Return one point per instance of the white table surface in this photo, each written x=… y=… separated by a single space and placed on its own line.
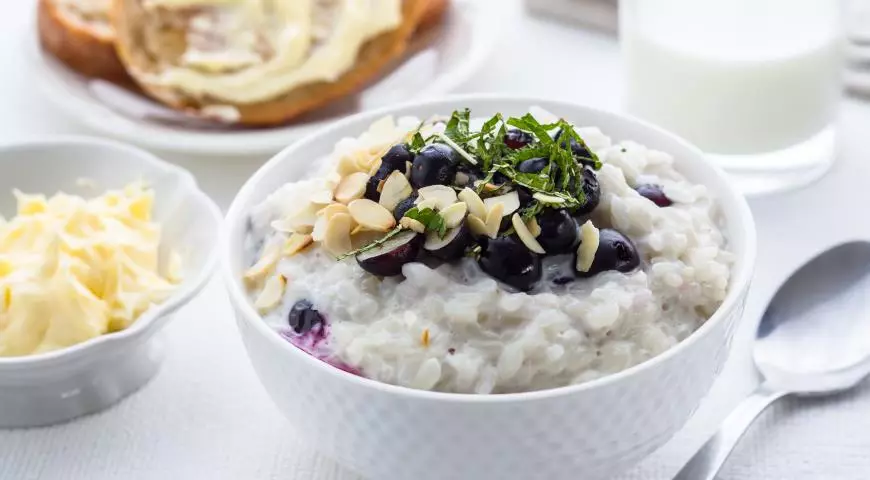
x=206 y=416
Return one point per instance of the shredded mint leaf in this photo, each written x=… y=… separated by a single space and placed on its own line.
x=417 y=142
x=457 y=128
x=533 y=210
x=430 y=219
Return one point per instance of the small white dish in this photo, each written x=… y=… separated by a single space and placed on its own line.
x=593 y=430
x=85 y=378
x=439 y=61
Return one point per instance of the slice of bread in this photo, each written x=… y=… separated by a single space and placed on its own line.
x=144 y=47
x=86 y=46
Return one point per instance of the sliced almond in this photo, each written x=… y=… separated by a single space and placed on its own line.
x=396 y=188
x=493 y=220
x=351 y=187
x=376 y=165
x=510 y=203
x=548 y=199
x=454 y=214
x=365 y=162
x=411 y=224
x=322 y=197
x=534 y=228
x=270 y=257
x=358 y=229
x=347 y=165
x=302 y=221
x=443 y=195
x=296 y=243
x=320 y=228
x=408 y=166
x=371 y=215
x=332 y=209
x=337 y=237
x=424 y=204
x=477 y=226
x=472 y=200
x=588 y=246
x=271 y=294
x=525 y=235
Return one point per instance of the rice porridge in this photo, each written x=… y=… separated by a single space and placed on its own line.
x=487 y=256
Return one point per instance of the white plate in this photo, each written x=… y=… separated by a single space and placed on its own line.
x=439 y=63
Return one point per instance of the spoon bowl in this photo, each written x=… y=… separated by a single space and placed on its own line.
x=813 y=337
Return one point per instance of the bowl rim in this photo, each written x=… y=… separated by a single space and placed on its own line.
x=739 y=282
x=150 y=319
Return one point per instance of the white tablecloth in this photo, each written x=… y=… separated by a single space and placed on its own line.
x=206 y=416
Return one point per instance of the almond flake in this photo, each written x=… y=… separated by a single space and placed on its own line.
x=358 y=229
x=396 y=188
x=550 y=199
x=323 y=197
x=477 y=226
x=351 y=187
x=270 y=257
x=320 y=227
x=337 y=238
x=332 y=209
x=376 y=165
x=454 y=214
x=271 y=294
x=510 y=202
x=526 y=236
x=443 y=195
x=411 y=224
x=475 y=205
x=588 y=246
x=371 y=215
x=493 y=220
x=296 y=243
x=534 y=228
x=347 y=165
x=424 y=204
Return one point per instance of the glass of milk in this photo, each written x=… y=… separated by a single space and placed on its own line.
x=754 y=83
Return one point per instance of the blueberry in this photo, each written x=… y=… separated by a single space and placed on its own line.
x=403 y=206
x=533 y=165
x=466 y=175
x=396 y=157
x=436 y=164
x=525 y=196
x=615 y=252
x=506 y=259
x=499 y=178
x=655 y=194
x=560 y=269
x=452 y=246
x=517 y=139
x=303 y=317
x=559 y=231
x=581 y=153
x=591 y=192
x=388 y=259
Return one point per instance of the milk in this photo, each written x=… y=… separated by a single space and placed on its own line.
x=735 y=77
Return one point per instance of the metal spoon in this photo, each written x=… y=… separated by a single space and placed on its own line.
x=814 y=339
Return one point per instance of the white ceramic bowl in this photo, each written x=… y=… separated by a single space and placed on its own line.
x=88 y=377
x=589 y=431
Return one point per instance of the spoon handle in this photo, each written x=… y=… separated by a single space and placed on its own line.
x=705 y=464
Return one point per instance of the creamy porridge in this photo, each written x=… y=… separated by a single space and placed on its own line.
x=491 y=256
